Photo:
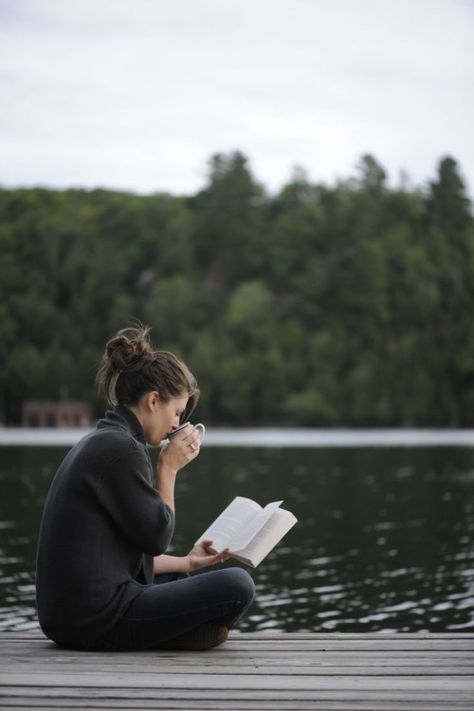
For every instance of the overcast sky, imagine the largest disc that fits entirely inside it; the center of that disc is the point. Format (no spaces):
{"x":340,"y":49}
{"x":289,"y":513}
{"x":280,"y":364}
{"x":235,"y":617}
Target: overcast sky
{"x":138,"y":94}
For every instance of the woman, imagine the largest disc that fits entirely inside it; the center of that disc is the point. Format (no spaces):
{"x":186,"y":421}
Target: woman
{"x":104,"y":581}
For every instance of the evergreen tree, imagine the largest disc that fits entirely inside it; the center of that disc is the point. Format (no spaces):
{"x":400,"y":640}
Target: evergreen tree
{"x":322,"y":305}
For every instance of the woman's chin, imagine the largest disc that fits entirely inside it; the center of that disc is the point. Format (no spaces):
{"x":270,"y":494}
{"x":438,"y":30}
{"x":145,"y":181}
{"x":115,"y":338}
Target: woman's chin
{"x":155,"y":440}
{"x":161,"y":437}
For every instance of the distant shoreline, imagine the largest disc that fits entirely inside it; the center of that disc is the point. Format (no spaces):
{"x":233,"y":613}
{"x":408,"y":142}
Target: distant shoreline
{"x":273,"y":437}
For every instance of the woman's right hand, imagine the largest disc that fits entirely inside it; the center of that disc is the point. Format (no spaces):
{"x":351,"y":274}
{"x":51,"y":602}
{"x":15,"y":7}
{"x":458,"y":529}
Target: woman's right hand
{"x":182,"y":449}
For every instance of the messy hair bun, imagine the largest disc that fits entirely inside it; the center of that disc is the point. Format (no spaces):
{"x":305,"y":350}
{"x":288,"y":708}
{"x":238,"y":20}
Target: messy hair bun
{"x":130,"y":367}
{"x":129,"y":349}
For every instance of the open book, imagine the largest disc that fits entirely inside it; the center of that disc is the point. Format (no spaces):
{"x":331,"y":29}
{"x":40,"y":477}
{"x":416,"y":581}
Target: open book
{"x":248,"y":530}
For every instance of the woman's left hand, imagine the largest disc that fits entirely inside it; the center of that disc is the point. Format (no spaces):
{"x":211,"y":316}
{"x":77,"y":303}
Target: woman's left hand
{"x":203,"y":555}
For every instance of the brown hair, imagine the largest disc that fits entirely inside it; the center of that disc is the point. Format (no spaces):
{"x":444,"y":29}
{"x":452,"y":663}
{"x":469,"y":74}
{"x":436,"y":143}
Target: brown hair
{"x":131,"y":367}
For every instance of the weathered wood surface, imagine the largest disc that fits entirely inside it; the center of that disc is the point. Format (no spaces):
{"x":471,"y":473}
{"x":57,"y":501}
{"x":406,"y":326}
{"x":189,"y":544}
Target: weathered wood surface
{"x":337,"y":672}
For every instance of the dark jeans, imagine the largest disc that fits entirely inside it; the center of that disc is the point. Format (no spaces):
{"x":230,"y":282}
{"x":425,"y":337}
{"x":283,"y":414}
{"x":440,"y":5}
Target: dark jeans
{"x":176,"y":604}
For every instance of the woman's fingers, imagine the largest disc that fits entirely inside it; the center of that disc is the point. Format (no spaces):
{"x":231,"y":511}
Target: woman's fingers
{"x":190,"y":436}
{"x":217,"y":557}
{"x":190,"y":440}
{"x":209,"y":557}
{"x":193,"y":441}
{"x":187,"y":443}
{"x":187,"y":434}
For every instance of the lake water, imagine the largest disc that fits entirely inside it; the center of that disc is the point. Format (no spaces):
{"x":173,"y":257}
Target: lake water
{"x":384,"y":540}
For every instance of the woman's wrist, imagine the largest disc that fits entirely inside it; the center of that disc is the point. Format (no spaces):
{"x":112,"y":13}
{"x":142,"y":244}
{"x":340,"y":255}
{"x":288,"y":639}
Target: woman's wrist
{"x":187,"y":564}
{"x":165,"y":471}
{"x":165,"y":483}
{"x":171,"y":564}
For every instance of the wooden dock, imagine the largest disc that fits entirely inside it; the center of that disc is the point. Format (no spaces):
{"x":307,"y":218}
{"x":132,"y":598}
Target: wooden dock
{"x":334,"y":672}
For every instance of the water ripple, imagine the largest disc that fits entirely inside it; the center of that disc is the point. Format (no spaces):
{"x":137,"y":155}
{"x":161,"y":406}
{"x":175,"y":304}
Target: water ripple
{"x":384,"y":540}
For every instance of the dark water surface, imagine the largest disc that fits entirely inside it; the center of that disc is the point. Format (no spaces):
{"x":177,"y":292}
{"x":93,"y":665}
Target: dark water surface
{"x":384,"y":540}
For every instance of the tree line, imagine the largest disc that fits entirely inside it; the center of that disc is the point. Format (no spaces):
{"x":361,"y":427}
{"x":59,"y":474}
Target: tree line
{"x":322,"y":305}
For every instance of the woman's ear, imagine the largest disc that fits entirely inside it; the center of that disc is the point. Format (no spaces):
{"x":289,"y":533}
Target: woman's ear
{"x":153,"y":399}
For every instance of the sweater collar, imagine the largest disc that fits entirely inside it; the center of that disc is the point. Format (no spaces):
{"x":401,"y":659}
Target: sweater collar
{"x":122,"y":416}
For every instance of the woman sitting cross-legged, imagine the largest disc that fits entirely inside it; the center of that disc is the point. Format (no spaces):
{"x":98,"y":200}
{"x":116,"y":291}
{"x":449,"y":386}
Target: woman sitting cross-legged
{"x":104,"y":580}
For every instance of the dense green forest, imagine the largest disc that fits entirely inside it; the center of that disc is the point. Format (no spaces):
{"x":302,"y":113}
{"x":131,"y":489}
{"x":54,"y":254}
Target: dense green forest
{"x":349,"y":304}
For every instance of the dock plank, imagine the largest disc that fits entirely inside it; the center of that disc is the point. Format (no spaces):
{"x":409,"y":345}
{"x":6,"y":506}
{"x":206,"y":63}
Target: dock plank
{"x":387,"y":672}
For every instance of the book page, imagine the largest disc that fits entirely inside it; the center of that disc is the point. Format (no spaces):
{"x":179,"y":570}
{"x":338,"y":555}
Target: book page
{"x":266,"y":539}
{"x":237,"y":516}
{"x":245,"y":534}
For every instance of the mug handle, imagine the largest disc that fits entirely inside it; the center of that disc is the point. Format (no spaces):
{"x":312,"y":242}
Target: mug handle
{"x":201,"y":429}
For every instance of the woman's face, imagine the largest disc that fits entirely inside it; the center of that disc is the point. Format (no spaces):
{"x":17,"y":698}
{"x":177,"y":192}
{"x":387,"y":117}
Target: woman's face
{"x":163,"y":417}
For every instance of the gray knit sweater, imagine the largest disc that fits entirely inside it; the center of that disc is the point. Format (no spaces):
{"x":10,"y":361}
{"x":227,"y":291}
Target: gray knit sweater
{"x":103,"y":521}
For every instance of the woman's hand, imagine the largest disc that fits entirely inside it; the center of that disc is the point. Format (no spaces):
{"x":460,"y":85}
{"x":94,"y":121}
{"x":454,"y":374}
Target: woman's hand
{"x":182,"y":449}
{"x":203,"y":555}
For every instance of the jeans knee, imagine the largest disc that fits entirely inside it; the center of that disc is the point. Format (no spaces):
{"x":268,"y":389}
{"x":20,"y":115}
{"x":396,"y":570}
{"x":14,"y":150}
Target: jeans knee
{"x":243,"y":583}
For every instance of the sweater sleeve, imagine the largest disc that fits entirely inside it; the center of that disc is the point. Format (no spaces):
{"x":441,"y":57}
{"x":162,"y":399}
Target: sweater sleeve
{"x":125,"y":491}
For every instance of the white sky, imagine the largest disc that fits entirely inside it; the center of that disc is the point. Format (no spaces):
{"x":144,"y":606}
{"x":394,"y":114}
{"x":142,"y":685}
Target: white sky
{"x":138,"y":94}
